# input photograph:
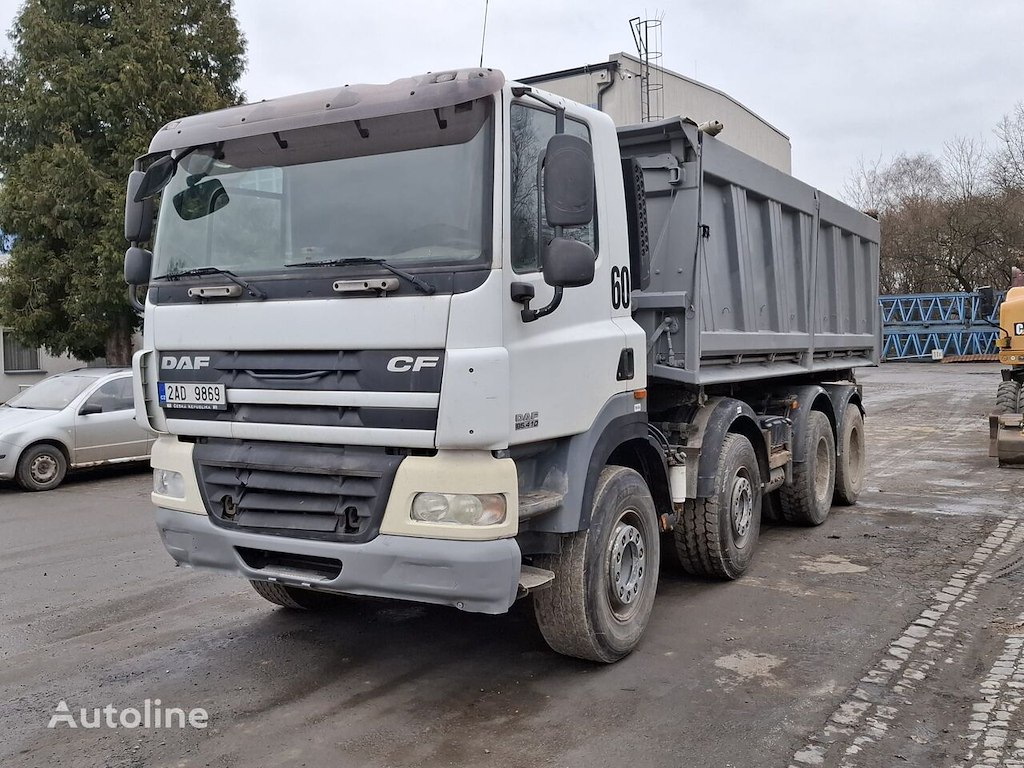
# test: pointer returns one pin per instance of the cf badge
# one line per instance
(405, 364)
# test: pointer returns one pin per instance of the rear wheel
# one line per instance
(808, 500)
(716, 536)
(598, 606)
(296, 597)
(850, 465)
(41, 467)
(1008, 397)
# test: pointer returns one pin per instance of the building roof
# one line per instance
(613, 63)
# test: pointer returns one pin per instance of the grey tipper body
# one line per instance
(459, 341)
(783, 279)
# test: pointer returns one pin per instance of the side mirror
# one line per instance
(568, 181)
(138, 215)
(201, 199)
(90, 409)
(986, 302)
(568, 263)
(156, 177)
(137, 265)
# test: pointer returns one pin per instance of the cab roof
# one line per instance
(434, 90)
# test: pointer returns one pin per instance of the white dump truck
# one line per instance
(456, 340)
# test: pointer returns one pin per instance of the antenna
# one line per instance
(647, 37)
(483, 37)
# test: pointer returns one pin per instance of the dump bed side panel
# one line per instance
(754, 274)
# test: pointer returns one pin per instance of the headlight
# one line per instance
(460, 508)
(168, 483)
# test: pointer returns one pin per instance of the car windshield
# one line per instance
(52, 394)
(413, 189)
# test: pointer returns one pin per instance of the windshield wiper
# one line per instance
(420, 285)
(252, 290)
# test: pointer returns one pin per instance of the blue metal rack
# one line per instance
(915, 324)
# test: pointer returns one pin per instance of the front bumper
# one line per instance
(475, 576)
(8, 460)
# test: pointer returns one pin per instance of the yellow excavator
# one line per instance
(1006, 423)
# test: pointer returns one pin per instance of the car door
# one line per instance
(105, 427)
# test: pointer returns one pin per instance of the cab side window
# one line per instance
(531, 129)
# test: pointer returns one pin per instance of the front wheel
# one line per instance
(1008, 396)
(296, 598)
(599, 604)
(41, 467)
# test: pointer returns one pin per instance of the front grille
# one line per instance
(294, 373)
(325, 416)
(336, 493)
(368, 370)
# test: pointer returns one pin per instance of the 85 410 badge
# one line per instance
(527, 420)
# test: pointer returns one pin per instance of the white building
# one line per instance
(21, 366)
(616, 87)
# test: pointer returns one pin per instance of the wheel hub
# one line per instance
(742, 506)
(43, 469)
(626, 564)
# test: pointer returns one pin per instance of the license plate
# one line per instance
(203, 397)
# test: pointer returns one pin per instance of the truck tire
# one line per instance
(716, 536)
(1007, 397)
(850, 465)
(808, 500)
(42, 467)
(295, 597)
(598, 606)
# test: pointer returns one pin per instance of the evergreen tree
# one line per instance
(86, 86)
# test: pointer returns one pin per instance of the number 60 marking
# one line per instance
(620, 287)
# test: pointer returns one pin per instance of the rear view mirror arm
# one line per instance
(521, 91)
(133, 298)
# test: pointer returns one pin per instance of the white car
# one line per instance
(81, 418)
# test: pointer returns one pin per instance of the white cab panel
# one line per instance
(410, 322)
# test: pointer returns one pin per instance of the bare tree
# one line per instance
(948, 223)
(1008, 162)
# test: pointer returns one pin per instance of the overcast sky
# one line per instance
(843, 78)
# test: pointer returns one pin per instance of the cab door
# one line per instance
(563, 367)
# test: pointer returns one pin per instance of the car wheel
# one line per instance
(41, 467)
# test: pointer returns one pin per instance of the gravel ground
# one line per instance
(891, 635)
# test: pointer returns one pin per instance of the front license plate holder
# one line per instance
(192, 395)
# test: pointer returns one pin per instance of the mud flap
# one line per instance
(1006, 438)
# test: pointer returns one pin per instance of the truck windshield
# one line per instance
(413, 189)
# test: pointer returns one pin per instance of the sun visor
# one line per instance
(334, 105)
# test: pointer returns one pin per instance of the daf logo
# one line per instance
(404, 364)
(184, 363)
